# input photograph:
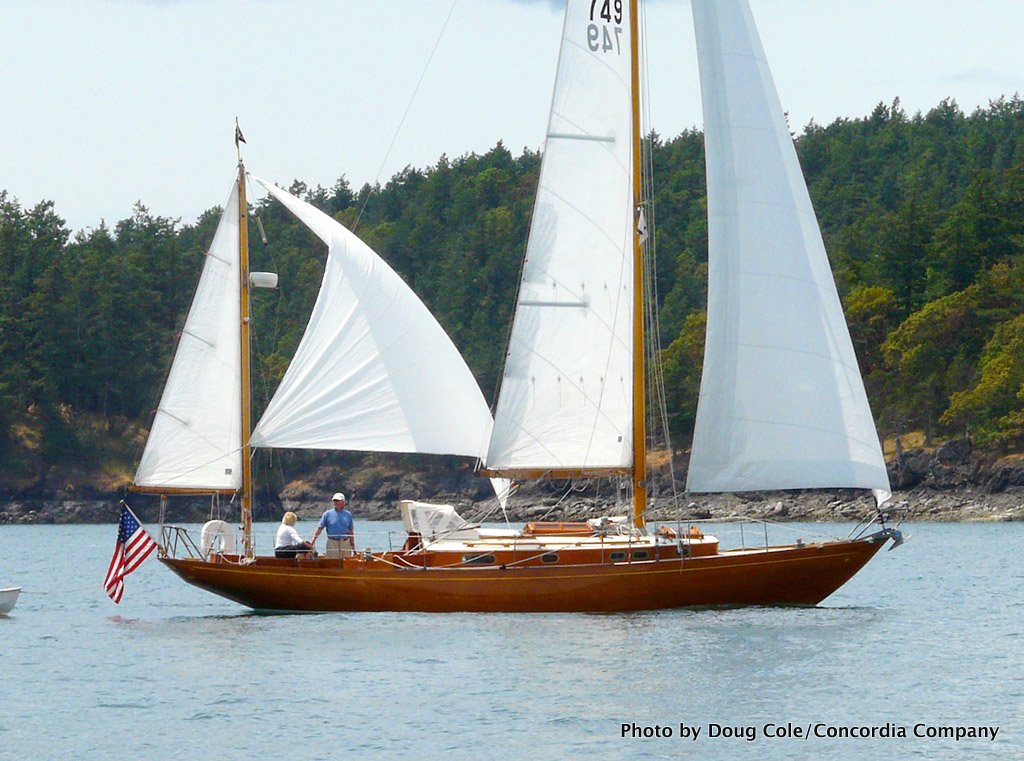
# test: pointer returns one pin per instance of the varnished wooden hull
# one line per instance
(796, 575)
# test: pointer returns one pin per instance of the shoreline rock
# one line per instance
(916, 505)
(950, 483)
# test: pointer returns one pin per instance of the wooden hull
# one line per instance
(792, 575)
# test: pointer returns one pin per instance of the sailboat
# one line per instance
(782, 403)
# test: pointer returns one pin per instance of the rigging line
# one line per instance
(503, 504)
(479, 516)
(569, 490)
(482, 517)
(493, 504)
(262, 381)
(275, 264)
(401, 122)
(265, 384)
(659, 406)
(657, 375)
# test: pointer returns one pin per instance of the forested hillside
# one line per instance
(923, 218)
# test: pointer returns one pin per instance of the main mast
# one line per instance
(639, 408)
(243, 290)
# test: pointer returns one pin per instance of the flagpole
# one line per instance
(132, 514)
(130, 511)
(134, 545)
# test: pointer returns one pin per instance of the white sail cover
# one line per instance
(195, 441)
(374, 370)
(782, 404)
(566, 398)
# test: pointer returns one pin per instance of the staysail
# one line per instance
(195, 439)
(566, 393)
(374, 371)
(782, 404)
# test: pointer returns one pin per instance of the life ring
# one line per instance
(216, 536)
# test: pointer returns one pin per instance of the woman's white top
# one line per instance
(286, 535)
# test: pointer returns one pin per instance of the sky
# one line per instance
(105, 103)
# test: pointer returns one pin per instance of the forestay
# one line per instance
(374, 370)
(195, 440)
(782, 404)
(566, 398)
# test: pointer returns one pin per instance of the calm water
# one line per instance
(929, 634)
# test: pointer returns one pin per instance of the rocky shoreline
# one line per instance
(817, 506)
(950, 483)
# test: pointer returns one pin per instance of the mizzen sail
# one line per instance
(195, 439)
(782, 404)
(374, 370)
(566, 393)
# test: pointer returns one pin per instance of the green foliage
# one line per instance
(996, 402)
(871, 313)
(923, 218)
(928, 357)
(683, 362)
(59, 442)
(933, 357)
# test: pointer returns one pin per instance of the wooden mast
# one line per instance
(639, 408)
(243, 289)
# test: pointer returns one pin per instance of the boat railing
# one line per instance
(743, 539)
(175, 539)
(759, 527)
(881, 518)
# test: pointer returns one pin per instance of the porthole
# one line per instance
(640, 555)
(549, 557)
(618, 556)
(478, 559)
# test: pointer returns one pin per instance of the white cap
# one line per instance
(338, 496)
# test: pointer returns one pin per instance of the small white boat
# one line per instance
(8, 598)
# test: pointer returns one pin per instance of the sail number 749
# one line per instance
(599, 36)
(606, 10)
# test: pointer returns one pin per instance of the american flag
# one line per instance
(133, 546)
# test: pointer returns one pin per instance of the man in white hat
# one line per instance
(341, 535)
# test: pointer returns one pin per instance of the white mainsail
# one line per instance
(782, 404)
(566, 391)
(195, 440)
(374, 370)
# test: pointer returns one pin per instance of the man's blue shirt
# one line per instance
(338, 523)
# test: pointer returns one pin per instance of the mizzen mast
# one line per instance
(639, 408)
(245, 322)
